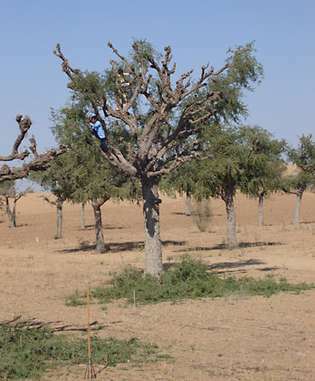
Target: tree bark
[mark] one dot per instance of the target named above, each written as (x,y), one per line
(82,215)
(297,209)
(10,213)
(231,221)
(59,221)
(261,216)
(151,211)
(188,204)
(100,244)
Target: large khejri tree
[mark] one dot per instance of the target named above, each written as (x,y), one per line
(160,116)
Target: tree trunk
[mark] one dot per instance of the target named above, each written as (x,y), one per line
(261,216)
(13,215)
(188,205)
(82,215)
(10,213)
(231,221)
(151,210)
(100,244)
(297,209)
(59,205)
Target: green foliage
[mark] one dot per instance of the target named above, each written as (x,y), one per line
(74,300)
(244,158)
(82,174)
(304,158)
(188,279)
(28,353)
(7,188)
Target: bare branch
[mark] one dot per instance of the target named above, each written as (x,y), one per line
(24,123)
(40,163)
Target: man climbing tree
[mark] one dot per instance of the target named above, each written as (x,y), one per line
(98,131)
(156,120)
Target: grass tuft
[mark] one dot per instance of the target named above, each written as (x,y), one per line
(189,279)
(29,353)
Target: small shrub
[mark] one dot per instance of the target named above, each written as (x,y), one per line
(74,300)
(188,279)
(27,353)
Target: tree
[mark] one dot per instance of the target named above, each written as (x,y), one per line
(303,157)
(10,197)
(89,176)
(266,166)
(57,179)
(38,161)
(159,117)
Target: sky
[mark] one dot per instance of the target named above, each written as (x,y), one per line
(199,32)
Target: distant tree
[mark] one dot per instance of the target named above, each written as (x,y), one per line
(265,165)
(240,158)
(10,197)
(303,157)
(58,180)
(159,118)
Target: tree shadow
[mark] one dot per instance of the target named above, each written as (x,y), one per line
(116,247)
(105,227)
(223,246)
(229,267)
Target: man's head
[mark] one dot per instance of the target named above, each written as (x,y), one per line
(92,118)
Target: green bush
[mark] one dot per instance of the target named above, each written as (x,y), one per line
(27,353)
(188,279)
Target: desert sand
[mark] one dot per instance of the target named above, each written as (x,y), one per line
(227,339)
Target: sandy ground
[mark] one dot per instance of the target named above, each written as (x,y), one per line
(238,338)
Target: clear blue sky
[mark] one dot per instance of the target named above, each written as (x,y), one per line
(199,31)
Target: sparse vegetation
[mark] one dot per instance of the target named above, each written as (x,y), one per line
(29,353)
(189,279)
(202,214)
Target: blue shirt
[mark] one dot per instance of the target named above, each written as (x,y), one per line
(97,129)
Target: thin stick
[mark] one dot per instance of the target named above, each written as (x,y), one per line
(134,298)
(90,371)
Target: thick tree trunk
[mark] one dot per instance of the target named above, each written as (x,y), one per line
(59,221)
(261,216)
(100,244)
(82,215)
(151,210)
(188,204)
(231,221)
(297,209)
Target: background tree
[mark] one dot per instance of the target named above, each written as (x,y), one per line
(10,197)
(90,178)
(237,160)
(58,180)
(159,117)
(303,157)
(265,166)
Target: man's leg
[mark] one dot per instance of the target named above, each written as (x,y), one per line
(103,145)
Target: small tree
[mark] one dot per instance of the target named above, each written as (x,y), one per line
(10,197)
(57,179)
(303,157)
(90,178)
(160,118)
(265,167)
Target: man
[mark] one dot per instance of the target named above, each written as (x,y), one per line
(98,131)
